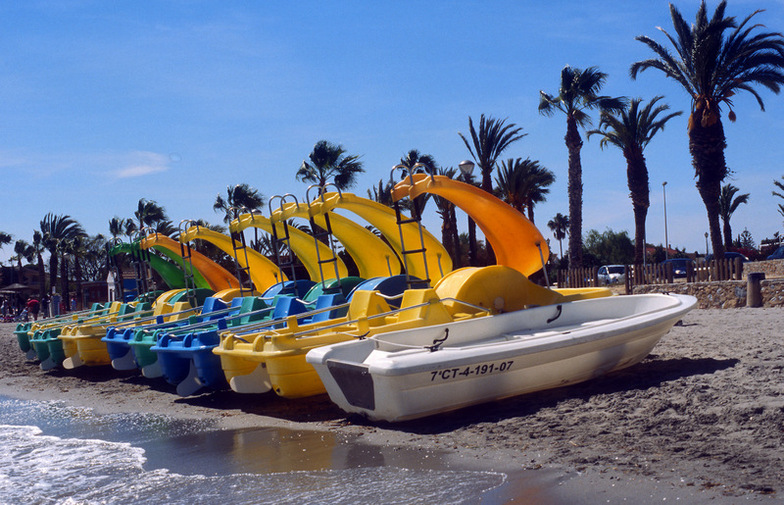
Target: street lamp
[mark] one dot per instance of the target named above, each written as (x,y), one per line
(706,243)
(467,168)
(666,240)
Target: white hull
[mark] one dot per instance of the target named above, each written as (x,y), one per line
(393,377)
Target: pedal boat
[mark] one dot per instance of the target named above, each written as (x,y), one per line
(278,354)
(409,374)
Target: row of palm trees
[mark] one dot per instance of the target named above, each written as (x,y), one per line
(713,59)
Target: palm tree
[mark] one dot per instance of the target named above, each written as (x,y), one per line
(129,229)
(778,184)
(427,164)
(73,247)
(38,247)
(728,204)
(116,226)
(489,143)
(712,65)
(630,131)
(23,250)
(559,225)
(446,211)
(486,145)
(382,193)
(241,196)
(55,229)
(523,183)
(329,163)
(5,239)
(578,93)
(149,213)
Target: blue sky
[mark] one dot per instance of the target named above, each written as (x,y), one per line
(104,103)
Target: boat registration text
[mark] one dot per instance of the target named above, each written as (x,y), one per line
(469,371)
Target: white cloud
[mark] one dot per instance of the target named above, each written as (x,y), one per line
(141,163)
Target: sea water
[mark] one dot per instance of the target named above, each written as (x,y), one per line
(51,453)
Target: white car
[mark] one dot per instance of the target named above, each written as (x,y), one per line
(612,274)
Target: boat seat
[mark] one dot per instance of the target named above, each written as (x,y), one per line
(212,304)
(326,301)
(496,288)
(249,305)
(365,304)
(180,307)
(430,309)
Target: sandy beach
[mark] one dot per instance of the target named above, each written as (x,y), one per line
(700,420)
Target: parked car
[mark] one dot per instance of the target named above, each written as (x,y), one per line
(612,274)
(728,255)
(679,266)
(778,254)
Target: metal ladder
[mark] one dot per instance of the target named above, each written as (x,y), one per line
(240,247)
(416,217)
(140,260)
(187,264)
(325,236)
(283,262)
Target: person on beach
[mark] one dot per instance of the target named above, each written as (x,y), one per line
(56,304)
(33,306)
(45,306)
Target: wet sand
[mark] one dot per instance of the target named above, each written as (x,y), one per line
(701,420)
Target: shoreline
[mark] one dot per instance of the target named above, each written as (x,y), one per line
(701,417)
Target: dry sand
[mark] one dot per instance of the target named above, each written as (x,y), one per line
(700,420)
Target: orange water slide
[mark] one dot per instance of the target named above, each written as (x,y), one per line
(218,277)
(515,240)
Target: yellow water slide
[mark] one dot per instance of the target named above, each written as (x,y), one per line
(373,257)
(436,261)
(218,277)
(302,244)
(263,272)
(515,240)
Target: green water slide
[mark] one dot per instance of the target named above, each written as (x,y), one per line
(170,271)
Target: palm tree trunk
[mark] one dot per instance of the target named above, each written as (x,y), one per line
(78,273)
(52,268)
(707,145)
(640,214)
(575,189)
(64,282)
(472,261)
(727,234)
(457,254)
(639,191)
(41,276)
(446,233)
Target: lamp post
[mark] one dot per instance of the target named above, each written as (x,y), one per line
(706,243)
(666,240)
(467,168)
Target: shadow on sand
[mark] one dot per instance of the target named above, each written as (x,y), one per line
(650,373)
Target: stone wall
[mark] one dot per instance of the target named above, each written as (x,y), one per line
(772,269)
(722,294)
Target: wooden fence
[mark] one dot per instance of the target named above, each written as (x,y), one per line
(716,270)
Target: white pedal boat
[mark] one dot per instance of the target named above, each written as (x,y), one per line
(415,373)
